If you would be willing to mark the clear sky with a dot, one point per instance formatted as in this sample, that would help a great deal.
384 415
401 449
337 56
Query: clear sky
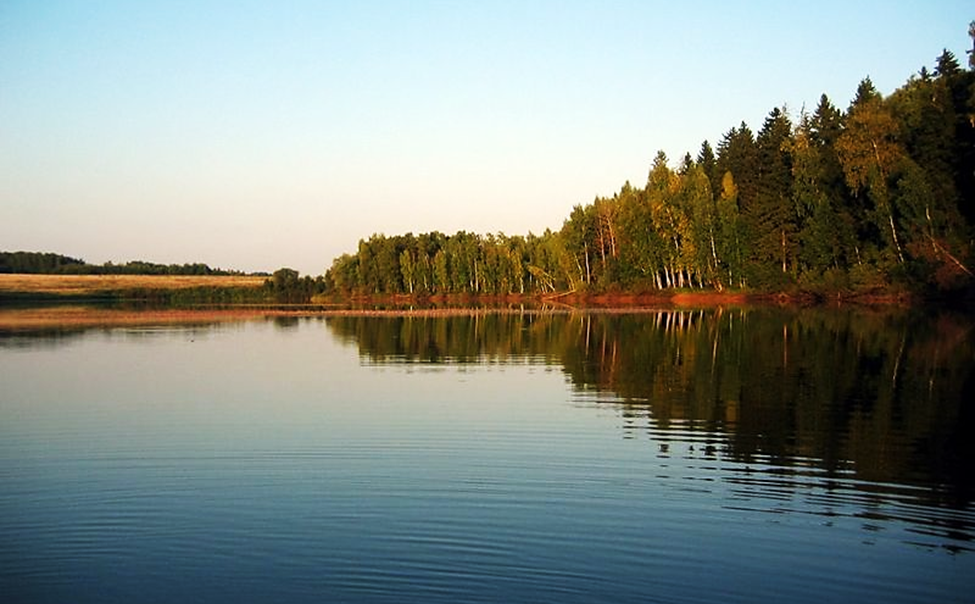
256 135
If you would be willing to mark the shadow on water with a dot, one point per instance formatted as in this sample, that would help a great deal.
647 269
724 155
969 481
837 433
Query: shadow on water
814 404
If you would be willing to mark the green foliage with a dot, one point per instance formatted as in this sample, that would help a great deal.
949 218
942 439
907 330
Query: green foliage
880 195
38 263
770 215
286 287
44 263
438 264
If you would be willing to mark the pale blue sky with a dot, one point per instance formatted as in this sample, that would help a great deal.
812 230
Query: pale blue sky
255 135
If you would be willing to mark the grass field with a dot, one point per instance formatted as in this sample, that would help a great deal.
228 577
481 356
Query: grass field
93 285
70 292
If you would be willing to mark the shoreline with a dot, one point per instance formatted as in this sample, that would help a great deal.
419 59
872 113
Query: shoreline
77 314
34 302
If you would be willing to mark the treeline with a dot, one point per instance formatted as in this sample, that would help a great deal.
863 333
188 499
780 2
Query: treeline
879 196
435 263
46 263
286 286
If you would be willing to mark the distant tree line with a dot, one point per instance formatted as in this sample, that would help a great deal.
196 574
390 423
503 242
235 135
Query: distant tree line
57 264
38 263
286 286
881 195
434 263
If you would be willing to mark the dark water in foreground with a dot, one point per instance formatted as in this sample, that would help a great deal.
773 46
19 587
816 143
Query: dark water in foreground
745 456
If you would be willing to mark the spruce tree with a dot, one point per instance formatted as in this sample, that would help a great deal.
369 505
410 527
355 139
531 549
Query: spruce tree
770 215
708 163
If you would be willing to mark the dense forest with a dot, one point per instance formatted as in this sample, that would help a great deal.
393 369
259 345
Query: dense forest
879 197
35 263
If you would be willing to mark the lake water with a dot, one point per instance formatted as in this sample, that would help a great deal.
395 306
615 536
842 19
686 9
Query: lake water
673 456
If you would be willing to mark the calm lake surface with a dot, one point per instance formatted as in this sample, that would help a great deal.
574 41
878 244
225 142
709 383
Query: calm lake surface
672 456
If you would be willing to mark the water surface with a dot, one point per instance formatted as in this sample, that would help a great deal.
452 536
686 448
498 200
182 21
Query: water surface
690 456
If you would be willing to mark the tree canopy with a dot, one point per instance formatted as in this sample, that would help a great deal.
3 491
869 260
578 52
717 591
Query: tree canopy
881 195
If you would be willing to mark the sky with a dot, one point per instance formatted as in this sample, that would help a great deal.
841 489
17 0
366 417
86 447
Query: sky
258 135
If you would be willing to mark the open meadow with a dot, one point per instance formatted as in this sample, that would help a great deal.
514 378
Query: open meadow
95 285
64 299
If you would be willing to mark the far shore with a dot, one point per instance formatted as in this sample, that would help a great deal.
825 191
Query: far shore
25 319
70 301
94 285
79 315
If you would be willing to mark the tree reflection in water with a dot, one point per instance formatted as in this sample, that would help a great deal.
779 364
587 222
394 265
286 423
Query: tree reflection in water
817 403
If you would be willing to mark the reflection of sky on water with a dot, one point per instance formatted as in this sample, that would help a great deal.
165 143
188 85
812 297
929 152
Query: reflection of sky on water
823 406
268 437
206 386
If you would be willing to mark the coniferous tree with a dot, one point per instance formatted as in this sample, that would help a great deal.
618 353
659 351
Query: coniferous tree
708 162
738 154
770 213
825 127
